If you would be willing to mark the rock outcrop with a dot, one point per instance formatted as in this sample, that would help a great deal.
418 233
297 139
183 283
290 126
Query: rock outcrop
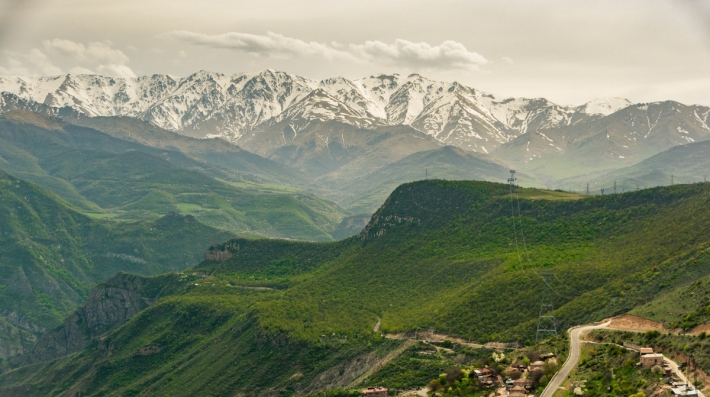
110 305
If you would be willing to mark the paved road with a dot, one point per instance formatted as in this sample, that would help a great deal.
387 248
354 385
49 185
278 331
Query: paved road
575 340
571 362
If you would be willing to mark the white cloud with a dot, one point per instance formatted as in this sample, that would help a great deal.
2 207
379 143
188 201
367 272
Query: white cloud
98 55
80 70
33 63
448 55
271 45
96 52
507 59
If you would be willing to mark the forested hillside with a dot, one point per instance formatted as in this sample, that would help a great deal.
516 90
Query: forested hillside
51 256
294 318
125 179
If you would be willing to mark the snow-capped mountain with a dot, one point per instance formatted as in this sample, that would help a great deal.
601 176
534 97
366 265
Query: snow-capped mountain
209 104
624 137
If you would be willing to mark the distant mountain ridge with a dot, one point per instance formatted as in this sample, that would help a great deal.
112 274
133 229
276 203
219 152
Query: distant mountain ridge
208 104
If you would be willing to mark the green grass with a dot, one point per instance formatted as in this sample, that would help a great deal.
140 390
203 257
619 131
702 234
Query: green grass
539 194
684 307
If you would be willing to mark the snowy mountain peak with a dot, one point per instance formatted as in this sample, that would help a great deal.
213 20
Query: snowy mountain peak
214 104
604 106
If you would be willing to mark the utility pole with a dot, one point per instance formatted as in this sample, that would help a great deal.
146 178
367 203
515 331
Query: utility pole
546 320
587 188
672 177
614 187
705 179
426 173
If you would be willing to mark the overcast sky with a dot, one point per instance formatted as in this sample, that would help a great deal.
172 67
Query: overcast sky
567 51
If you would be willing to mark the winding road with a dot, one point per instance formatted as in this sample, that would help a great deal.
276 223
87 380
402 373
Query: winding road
575 341
571 362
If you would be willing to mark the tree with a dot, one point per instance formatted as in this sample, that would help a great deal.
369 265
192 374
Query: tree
550 367
434 387
453 374
513 373
535 377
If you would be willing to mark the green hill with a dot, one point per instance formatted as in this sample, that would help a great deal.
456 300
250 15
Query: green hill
269 316
110 177
51 256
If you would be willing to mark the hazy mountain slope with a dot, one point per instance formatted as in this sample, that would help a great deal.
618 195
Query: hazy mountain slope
623 138
50 255
688 163
366 193
336 152
216 152
127 180
438 255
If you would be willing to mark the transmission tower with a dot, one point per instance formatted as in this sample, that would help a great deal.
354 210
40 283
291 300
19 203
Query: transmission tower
614 187
546 321
587 188
512 178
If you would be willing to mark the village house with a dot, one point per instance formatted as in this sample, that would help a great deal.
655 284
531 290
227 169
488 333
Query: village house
649 360
683 390
525 383
546 356
537 366
517 391
375 392
520 366
645 350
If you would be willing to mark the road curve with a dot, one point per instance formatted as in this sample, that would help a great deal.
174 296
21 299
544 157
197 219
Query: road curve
573 358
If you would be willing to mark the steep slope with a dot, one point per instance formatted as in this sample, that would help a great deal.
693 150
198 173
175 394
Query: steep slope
127 180
50 256
275 317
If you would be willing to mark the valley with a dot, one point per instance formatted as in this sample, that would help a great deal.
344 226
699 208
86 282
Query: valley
451 242
265 234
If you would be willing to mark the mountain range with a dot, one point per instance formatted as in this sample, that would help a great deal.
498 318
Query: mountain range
209 104
336 131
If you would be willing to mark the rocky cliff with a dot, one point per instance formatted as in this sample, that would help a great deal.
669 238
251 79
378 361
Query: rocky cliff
109 305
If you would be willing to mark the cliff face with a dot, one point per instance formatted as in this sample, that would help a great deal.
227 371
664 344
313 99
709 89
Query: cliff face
109 305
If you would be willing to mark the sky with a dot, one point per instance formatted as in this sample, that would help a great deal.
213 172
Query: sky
568 51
